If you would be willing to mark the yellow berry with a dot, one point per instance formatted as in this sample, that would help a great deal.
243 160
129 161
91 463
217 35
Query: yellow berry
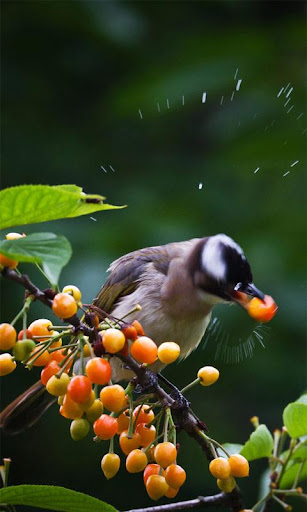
94 411
226 485
136 461
113 340
7 364
239 466
156 487
208 375
64 305
74 291
8 336
110 465
57 386
168 352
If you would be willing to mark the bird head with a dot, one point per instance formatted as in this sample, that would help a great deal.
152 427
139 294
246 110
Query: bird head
220 270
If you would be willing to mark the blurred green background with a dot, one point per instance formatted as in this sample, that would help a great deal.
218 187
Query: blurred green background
87 84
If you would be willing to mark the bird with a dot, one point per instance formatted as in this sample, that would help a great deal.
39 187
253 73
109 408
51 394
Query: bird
177 286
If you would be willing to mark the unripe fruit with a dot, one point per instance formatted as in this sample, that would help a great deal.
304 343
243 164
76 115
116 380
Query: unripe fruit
7 262
23 349
171 493
73 291
94 411
144 350
89 402
98 370
156 487
128 444
123 421
226 485
208 375
14 236
175 476
262 310
151 469
110 465
7 364
143 414
168 352
52 368
147 434
239 466
105 427
113 397
57 386
165 454
220 468
64 305
113 340
136 461
8 336
41 327
79 429
79 389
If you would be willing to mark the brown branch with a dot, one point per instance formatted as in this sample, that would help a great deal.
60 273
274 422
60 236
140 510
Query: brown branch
185 418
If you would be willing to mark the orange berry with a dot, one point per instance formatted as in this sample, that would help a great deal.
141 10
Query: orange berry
130 332
113 340
226 485
150 453
41 327
220 468
144 350
239 466
57 386
110 464
146 414
165 454
70 409
151 469
128 444
168 352
208 375
147 433
98 370
175 476
7 262
73 291
105 427
89 402
156 487
8 336
86 351
171 493
7 364
50 369
64 305
58 355
94 411
262 310
80 389
139 329
28 335
42 360
57 343
123 421
113 397
136 461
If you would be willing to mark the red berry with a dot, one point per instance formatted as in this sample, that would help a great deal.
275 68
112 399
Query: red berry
130 332
52 368
105 427
151 469
98 370
138 327
80 388
28 335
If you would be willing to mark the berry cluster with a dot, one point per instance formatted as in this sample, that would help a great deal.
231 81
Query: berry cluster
226 469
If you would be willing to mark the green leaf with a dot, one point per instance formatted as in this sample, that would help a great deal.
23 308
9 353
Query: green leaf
295 419
52 251
231 448
264 484
260 444
28 204
291 473
302 399
51 497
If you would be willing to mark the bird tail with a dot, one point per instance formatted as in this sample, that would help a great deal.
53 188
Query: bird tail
26 409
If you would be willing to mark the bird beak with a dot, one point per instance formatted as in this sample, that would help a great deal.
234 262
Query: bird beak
241 292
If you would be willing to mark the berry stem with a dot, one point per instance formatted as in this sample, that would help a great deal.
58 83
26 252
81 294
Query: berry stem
24 309
298 474
166 421
191 385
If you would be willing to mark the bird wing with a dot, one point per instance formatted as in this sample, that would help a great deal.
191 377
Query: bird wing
126 272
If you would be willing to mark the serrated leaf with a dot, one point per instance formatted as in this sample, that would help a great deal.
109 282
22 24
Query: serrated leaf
295 419
51 497
260 444
291 473
29 204
52 251
231 448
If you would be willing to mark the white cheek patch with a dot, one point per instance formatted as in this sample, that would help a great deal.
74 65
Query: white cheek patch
212 259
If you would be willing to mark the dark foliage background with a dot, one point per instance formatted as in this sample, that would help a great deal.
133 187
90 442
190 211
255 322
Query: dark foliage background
74 76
